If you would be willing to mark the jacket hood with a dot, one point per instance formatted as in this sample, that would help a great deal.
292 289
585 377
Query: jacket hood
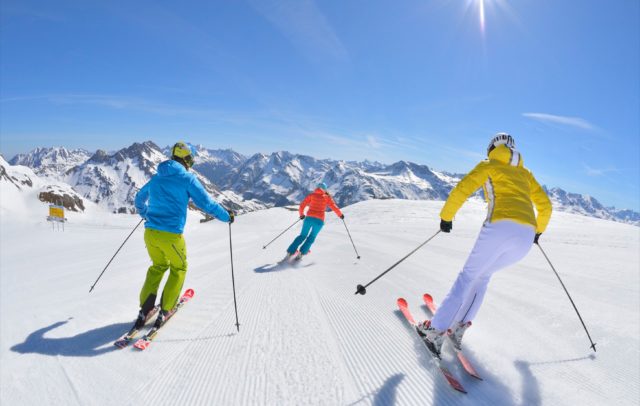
170 168
506 155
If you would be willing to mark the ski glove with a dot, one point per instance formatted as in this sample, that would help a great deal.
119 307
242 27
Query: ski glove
535 239
342 216
232 216
302 217
446 226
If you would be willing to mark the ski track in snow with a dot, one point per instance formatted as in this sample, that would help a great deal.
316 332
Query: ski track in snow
305 338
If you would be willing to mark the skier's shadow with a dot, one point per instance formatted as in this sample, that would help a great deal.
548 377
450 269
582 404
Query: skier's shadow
280 267
384 396
270 268
87 344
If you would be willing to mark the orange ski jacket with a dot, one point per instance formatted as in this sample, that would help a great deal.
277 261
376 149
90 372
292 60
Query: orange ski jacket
317 203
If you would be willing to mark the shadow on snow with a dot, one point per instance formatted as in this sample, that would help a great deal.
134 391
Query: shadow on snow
384 396
87 344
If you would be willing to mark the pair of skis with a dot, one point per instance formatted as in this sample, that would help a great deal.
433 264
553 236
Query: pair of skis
144 342
466 364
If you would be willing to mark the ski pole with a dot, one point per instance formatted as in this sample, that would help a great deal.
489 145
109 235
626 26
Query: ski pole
233 280
354 246
278 236
593 345
114 255
363 289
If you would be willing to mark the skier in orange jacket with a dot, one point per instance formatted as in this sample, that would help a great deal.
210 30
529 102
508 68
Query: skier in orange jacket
317 203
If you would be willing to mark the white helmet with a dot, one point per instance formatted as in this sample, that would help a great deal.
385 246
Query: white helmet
500 139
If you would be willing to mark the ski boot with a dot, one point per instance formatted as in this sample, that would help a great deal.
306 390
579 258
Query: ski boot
290 257
147 310
162 317
458 332
432 338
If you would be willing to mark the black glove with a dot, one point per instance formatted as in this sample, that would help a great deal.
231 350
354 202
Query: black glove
342 216
535 239
446 226
302 216
232 216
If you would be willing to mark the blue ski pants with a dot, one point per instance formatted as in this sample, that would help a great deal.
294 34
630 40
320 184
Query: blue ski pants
310 229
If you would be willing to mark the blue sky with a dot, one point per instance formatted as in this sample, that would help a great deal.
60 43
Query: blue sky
424 81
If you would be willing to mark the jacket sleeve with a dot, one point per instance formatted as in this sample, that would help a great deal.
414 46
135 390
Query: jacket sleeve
464 189
542 203
304 204
332 205
141 200
202 199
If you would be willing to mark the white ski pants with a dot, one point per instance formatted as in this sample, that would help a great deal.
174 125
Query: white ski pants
499 245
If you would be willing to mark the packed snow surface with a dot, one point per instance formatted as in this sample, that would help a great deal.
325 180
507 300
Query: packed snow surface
305 338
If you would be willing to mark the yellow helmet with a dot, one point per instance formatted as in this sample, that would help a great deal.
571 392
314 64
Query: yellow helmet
183 151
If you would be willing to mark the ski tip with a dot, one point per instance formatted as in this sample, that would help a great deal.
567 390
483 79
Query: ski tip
427 298
189 292
401 301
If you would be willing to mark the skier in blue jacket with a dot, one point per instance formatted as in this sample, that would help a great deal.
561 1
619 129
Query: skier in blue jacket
162 203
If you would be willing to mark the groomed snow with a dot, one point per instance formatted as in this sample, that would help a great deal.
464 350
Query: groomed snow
305 338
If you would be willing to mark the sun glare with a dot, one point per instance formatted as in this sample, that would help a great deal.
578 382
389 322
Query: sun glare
481 14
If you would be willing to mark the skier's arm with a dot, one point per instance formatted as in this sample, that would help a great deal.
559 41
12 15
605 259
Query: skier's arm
202 199
332 205
304 204
464 189
141 200
542 203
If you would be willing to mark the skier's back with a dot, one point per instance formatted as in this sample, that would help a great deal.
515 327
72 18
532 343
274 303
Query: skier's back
506 237
163 203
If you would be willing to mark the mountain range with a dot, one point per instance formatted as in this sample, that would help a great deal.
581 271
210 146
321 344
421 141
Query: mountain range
248 183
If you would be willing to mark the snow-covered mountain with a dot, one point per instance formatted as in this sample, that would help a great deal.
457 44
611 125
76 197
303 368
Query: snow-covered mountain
283 178
112 180
21 183
52 162
268 180
589 206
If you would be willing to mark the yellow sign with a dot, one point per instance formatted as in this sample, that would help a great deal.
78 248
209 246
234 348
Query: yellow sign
56 211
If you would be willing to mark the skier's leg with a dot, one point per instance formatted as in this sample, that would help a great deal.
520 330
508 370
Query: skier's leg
175 247
519 245
306 228
156 271
317 225
485 251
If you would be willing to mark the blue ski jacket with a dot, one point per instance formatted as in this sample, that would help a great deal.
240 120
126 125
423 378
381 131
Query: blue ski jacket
163 201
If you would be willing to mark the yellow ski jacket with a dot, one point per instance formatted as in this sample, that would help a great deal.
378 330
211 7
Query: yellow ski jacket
509 188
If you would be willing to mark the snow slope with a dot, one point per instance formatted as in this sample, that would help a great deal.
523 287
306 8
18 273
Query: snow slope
305 338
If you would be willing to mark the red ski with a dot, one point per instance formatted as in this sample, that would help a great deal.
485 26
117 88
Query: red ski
466 364
145 341
451 380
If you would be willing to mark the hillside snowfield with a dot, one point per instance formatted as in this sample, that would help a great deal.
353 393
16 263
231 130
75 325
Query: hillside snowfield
305 338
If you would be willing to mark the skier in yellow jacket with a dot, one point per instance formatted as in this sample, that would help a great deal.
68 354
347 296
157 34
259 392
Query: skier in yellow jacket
506 237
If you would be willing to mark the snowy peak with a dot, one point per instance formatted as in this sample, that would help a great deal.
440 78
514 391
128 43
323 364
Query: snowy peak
113 180
589 206
20 182
51 162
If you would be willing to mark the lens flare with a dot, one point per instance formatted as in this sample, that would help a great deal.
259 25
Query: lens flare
481 6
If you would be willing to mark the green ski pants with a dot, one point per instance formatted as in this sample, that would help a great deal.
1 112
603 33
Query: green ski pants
167 251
